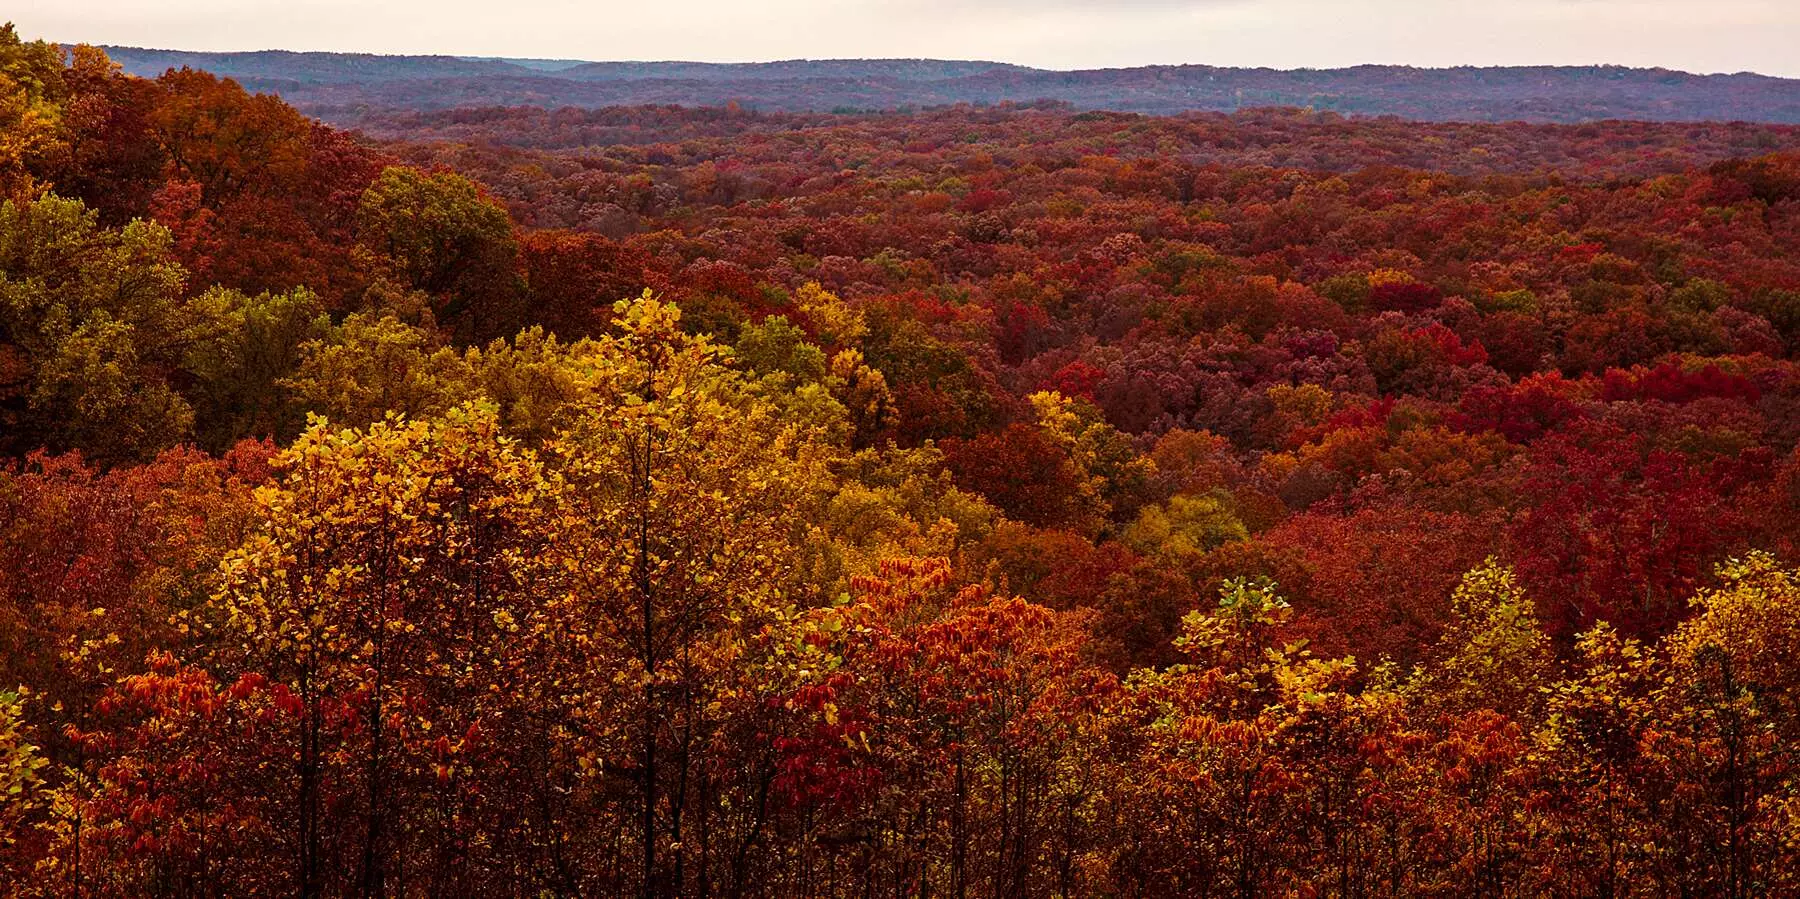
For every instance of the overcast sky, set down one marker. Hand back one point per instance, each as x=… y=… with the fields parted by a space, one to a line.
x=1695 y=35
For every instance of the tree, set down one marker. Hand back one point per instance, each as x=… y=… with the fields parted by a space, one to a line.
x=1730 y=733
x=373 y=364
x=1623 y=529
x=32 y=91
x=382 y=595
x=686 y=494
x=100 y=326
x=1494 y=654
x=21 y=764
x=1606 y=812
x=574 y=278
x=174 y=795
x=1215 y=806
x=1186 y=527
x=241 y=373
x=948 y=738
x=1024 y=473
x=438 y=233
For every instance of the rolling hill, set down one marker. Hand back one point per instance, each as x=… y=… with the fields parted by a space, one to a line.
x=342 y=88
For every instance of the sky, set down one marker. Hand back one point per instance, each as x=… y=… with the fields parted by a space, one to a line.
x=1692 y=35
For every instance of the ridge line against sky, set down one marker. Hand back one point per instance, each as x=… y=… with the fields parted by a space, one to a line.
x=551 y=66
x=1720 y=36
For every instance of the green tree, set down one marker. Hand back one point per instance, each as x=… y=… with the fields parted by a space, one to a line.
x=439 y=234
x=98 y=329
x=240 y=374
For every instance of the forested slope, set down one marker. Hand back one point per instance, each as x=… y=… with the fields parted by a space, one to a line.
x=996 y=503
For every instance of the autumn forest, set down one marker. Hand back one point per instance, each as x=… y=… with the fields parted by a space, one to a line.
x=972 y=501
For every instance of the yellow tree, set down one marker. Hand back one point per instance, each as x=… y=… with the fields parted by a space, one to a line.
x=31 y=125
x=688 y=497
x=1604 y=793
x=1216 y=802
x=1494 y=654
x=20 y=767
x=383 y=592
x=1730 y=730
x=490 y=664
x=1112 y=476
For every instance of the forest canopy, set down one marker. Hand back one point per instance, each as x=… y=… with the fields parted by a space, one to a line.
x=989 y=502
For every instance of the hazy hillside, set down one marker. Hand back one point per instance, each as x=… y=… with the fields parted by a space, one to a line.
x=321 y=68
x=353 y=68
x=345 y=87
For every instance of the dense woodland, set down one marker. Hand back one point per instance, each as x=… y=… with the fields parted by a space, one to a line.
x=1012 y=502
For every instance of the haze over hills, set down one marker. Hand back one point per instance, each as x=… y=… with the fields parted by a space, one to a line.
x=354 y=68
x=343 y=88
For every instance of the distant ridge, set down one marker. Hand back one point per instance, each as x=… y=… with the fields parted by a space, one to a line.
x=351 y=68
x=345 y=86
x=317 y=68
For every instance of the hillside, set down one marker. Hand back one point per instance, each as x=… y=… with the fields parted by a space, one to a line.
x=982 y=502
x=341 y=87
